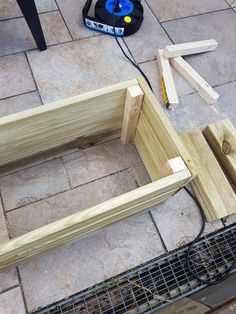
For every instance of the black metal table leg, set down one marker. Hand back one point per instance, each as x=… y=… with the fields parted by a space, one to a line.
x=30 y=13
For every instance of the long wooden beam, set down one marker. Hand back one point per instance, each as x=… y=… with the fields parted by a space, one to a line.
x=222 y=139
x=90 y=220
x=195 y=80
x=190 y=48
x=36 y=130
x=211 y=187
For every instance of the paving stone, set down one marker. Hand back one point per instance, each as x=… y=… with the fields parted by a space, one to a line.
x=232 y=3
x=72 y=13
x=10 y=9
x=32 y=184
x=15 y=76
x=186 y=223
x=11 y=302
x=231 y=219
x=217 y=295
x=15 y=35
x=8 y=278
x=99 y=161
x=141 y=174
x=228 y=308
x=41 y=213
x=169 y=10
x=143 y=44
x=217 y=67
x=226 y=103
x=19 y=103
x=65 y=271
x=70 y=69
x=152 y=71
x=193 y=113
x=184 y=306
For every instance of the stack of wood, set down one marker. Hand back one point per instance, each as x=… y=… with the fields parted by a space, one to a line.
x=213 y=151
x=173 y=55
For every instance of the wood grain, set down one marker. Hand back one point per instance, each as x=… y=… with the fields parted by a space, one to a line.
x=210 y=185
x=196 y=81
x=36 y=130
x=190 y=48
x=90 y=220
x=222 y=139
x=133 y=103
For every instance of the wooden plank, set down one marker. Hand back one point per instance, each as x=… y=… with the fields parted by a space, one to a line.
x=90 y=220
x=133 y=103
x=222 y=139
x=168 y=143
x=36 y=130
x=210 y=185
x=190 y=48
x=195 y=80
x=168 y=85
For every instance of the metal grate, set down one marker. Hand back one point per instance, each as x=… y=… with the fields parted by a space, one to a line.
x=156 y=284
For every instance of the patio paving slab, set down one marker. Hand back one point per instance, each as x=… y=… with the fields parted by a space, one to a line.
x=10 y=8
x=15 y=35
x=216 y=67
x=35 y=215
x=73 y=68
x=186 y=223
x=99 y=161
x=169 y=10
x=75 y=267
x=72 y=13
x=143 y=44
x=32 y=184
x=11 y=302
x=19 y=103
x=12 y=81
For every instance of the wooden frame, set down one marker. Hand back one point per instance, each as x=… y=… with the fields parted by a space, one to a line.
x=92 y=117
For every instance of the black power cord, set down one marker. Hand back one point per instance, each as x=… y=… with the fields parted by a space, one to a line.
x=122 y=49
x=221 y=277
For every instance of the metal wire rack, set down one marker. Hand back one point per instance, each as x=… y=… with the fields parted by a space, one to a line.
x=156 y=284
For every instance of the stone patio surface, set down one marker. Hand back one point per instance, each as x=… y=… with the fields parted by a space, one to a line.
x=79 y=60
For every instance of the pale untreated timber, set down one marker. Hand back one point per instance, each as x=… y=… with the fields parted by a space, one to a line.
x=195 y=80
x=167 y=80
x=133 y=103
x=190 y=48
x=90 y=220
x=36 y=130
x=156 y=139
x=210 y=185
x=222 y=139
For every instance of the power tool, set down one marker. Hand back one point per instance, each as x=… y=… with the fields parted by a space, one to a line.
x=114 y=17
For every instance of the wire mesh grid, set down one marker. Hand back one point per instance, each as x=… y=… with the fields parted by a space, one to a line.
x=156 y=284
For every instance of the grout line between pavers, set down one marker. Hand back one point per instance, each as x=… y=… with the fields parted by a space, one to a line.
x=25 y=93
x=159 y=22
x=73 y=188
x=194 y=15
x=22 y=290
x=32 y=73
x=66 y=172
x=158 y=232
x=62 y=16
x=9 y=289
x=21 y=16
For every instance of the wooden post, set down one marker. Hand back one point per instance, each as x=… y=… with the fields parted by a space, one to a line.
x=169 y=91
x=133 y=103
x=197 y=82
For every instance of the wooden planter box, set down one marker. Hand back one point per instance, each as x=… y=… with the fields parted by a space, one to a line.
x=129 y=110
